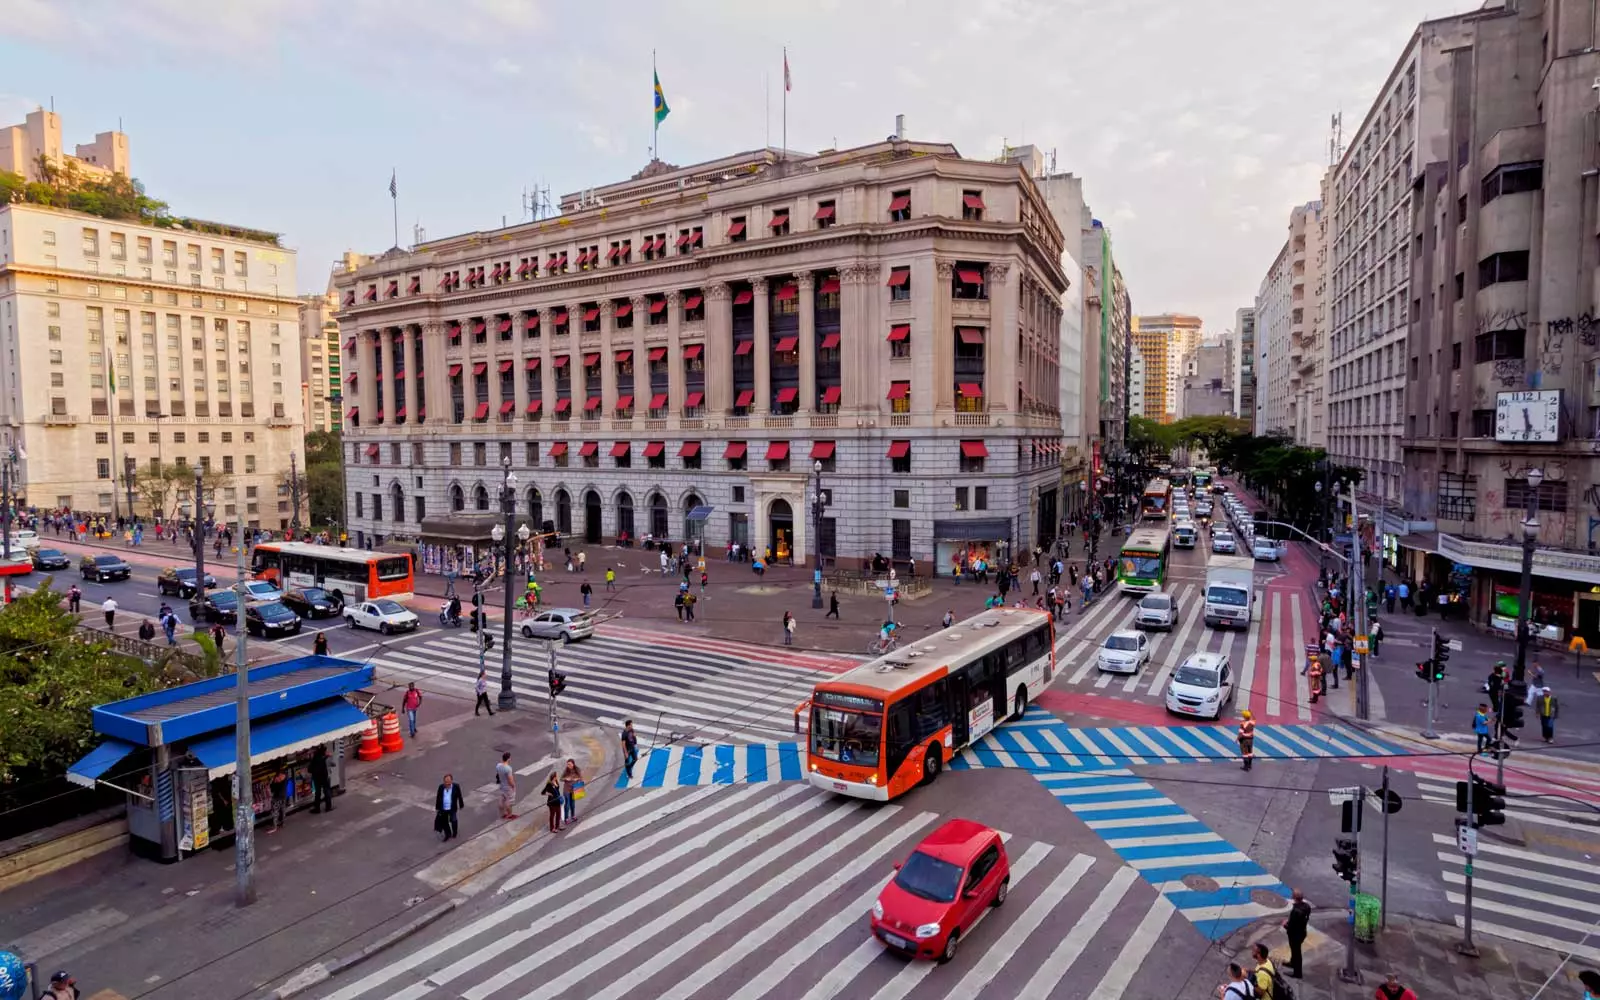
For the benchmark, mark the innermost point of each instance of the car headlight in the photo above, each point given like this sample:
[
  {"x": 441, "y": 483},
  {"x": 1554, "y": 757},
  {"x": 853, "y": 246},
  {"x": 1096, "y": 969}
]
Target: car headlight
[
  {"x": 1211, "y": 698},
  {"x": 927, "y": 930},
  {"x": 877, "y": 909}
]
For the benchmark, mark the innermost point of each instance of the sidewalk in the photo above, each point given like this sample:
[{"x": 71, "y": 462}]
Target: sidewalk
[{"x": 327, "y": 885}]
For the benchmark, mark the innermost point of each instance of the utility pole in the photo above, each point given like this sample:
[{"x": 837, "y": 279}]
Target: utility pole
[
  {"x": 1351, "y": 974},
  {"x": 294, "y": 495},
  {"x": 1468, "y": 837},
  {"x": 1358, "y": 602},
  {"x": 127, "y": 478},
  {"x": 558, "y": 684},
  {"x": 244, "y": 807},
  {"x": 198, "y": 609}
]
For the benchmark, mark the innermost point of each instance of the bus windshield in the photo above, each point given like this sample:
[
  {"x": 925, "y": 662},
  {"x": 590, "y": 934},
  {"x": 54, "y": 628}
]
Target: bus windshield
[
  {"x": 846, "y": 737},
  {"x": 1141, "y": 566}
]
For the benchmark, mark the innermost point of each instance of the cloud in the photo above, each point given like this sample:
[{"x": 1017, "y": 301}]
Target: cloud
[
  {"x": 505, "y": 67},
  {"x": 1245, "y": 166},
  {"x": 1159, "y": 158}
]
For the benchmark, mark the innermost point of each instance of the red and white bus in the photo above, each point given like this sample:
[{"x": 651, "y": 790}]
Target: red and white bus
[
  {"x": 351, "y": 574},
  {"x": 888, "y": 725}
]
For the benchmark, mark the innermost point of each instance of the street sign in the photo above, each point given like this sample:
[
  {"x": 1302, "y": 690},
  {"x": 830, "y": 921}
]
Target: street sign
[
  {"x": 1391, "y": 805},
  {"x": 1361, "y": 644},
  {"x": 1338, "y": 795},
  {"x": 1455, "y": 646},
  {"x": 1467, "y": 840}
]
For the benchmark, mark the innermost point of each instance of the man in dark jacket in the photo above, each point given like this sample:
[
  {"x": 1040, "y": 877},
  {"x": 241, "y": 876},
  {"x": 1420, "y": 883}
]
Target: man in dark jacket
[
  {"x": 447, "y": 808},
  {"x": 1296, "y": 926},
  {"x": 322, "y": 793}
]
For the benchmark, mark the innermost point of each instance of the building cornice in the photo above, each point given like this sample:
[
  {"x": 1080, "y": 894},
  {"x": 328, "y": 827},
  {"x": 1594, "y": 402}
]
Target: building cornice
[{"x": 101, "y": 278}]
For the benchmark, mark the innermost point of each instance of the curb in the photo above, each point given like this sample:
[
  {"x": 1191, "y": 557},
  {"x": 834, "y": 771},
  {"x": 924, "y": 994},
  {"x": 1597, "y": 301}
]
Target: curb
[{"x": 321, "y": 972}]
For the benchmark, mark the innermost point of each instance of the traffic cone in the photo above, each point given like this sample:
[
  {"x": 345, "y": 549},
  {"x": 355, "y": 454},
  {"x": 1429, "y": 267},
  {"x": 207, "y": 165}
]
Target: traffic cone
[
  {"x": 369, "y": 748},
  {"x": 391, "y": 742}
]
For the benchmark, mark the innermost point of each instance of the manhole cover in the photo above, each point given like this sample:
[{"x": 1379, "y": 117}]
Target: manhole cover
[
  {"x": 1200, "y": 883},
  {"x": 1267, "y": 899}
]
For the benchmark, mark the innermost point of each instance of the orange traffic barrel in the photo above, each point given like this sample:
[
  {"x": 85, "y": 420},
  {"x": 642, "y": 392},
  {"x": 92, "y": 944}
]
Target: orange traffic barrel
[
  {"x": 391, "y": 741},
  {"x": 369, "y": 749}
]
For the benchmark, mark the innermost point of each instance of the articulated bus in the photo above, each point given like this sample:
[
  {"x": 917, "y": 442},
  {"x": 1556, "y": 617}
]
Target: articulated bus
[
  {"x": 352, "y": 575},
  {"x": 1156, "y": 503},
  {"x": 1142, "y": 565},
  {"x": 893, "y": 723}
]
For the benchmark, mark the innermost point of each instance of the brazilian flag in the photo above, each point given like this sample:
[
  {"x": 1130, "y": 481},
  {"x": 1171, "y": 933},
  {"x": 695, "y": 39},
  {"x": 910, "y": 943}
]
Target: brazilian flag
[{"x": 662, "y": 111}]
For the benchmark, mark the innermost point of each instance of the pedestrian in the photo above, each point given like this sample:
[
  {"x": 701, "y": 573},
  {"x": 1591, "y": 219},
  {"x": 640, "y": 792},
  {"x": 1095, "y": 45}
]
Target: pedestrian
[
  {"x": 583, "y": 562},
  {"x": 1314, "y": 674},
  {"x": 586, "y": 591},
  {"x": 110, "y": 609},
  {"x": 1536, "y": 676},
  {"x": 571, "y": 790},
  {"x": 552, "y": 801},
  {"x": 833, "y": 606},
  {"x": 147, "y": 630},
  {"x": 677, "y": 603},
  {"x": 630, "y": 747},
  {"x": 1297, "y": 926},
  {"x": 481, "y": 686},
  {"x": 319, "y": 645},
  {"x": 321, "y": 787},
  {"x": 788, "y": 629},
  {"x": 279, "y": 787},
  {"x": 1545, "y": 703},
  {"x": 1034, "y": 578},
  {"x": 705, "y": 580},
  {"x": 447, "y": 809},
  {"x": 1375, "y": 636},
  {"x": 74, "y": 598},
  {"x": 505, "y": 780},
  {"x": 218, "y": 635},
  {"x": 1405, "y": 596},
  {"x": 611, "y": 578},
  {"x": 1247, "y": 740},
  {"x": 1237, "y": 987},
  {"x": 1588, "y": 977},
  {"x": 409, "y": 704},
  {"x": 1393, "y": 990},
  {"x": 1389, "y": 595},
  {"x": 1480, "y": 726},
  {"x": 688, "y": 607}
]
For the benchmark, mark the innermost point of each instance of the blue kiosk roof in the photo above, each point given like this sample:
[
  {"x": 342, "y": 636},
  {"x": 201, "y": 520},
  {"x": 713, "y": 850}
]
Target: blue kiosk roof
[{"x": 281, "y": 735}]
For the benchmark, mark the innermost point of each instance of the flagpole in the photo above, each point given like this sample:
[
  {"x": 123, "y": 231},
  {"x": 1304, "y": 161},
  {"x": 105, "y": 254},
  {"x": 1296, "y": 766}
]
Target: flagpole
[
  {"x": 394, "y": 196},
  {"x": 786, "y": 102},
  {"x": 766, "y": 103},
  {"x": 655, "y": 119}
]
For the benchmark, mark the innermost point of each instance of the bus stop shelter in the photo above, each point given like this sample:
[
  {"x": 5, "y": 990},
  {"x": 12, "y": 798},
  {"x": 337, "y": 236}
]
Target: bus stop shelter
[{"x": 172, "y": 752}]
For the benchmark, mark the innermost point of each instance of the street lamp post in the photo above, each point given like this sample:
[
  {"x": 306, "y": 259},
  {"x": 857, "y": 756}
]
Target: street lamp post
[
  {"x": 294, "y": 495},
  {"x": 127, "y": 478},
  {"x": 198, "y": 608},
  {"x": 1518, "y": 685},
  {"x": 818, "y": 504},
  {"x": 503, "y": 534}
]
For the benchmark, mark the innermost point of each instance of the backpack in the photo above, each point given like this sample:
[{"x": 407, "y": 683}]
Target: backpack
[
  {"x": 1280, "y": 986},
  {"x": 1239, "y": 991}
]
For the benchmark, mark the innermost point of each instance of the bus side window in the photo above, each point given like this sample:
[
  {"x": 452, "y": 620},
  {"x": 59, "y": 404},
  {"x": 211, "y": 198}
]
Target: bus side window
[
  {"x": 900, "y": 741},
  {"x": 932, "y": 709}
]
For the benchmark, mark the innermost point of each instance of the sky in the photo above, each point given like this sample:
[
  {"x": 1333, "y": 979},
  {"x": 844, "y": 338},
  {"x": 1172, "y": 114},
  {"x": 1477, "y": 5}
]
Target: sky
[{"x": 1196, "y": 124}]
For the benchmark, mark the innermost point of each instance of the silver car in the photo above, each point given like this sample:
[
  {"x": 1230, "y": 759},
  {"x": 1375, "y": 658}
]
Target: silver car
[
  {"x": 566, "y": 624},
  {"x": 1223, "y": 542},
  {"x": 1156, "y": 610}
]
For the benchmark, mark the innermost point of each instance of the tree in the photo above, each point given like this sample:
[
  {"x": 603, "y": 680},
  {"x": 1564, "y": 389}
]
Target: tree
[
  {"x": 324, "y": 485},
  {"x": 322, "y": 446},
  {"x": 157, "y": 486},
  {"x": 1150, "y": 441},
  {"x": 213, "y": 480}
]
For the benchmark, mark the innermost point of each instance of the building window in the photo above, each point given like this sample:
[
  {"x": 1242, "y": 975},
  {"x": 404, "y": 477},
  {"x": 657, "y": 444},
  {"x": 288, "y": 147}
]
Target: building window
[
  {"x": 902, "y": 499},
  {"x": 900, "y": 284},
  {"x": 900, "y": 397},
  {"x": 900, "y": 341},
  {"x": 967, "y": 282},
  {"x": 972, "y": 206},
  {"x": 1513, "y": 178},
  {"x": 102, "y": 468},
  {"x": 480, "y": 454},
  {"x": 737, "y": 230},
  {"x": 825, "y": 216},
  {"x": 1552, "y": 496},
  {"x": 1461, "y": 286},
  {"x": 900, "y": 206},
  {"x": 961, "y": 498},
  {"x": 973, "y": 454},
  {"x": 1511, "y": 265},
  {"x": 691, "y": 458},
  {"x": 980, "y": 498},
  {"x": 1496, "y": 345},
  {"x": 780, "y": 222},
  {"x": 1455, "y": 357}
]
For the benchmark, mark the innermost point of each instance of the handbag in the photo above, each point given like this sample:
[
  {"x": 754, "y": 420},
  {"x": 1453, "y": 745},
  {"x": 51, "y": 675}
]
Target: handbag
[{"x": 577, "y": 791}]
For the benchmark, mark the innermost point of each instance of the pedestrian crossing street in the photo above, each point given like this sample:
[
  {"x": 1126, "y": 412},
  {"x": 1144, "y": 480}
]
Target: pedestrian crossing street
[
  {"x": 1266, "y": 659},
  {"x": 1525, "y": 896},
  {"x": 674, "y": 687},
  {"x": 745, "y": 892}
]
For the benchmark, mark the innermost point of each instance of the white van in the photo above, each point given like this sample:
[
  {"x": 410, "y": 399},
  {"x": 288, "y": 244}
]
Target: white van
[
  {"x": 1202, "y": 686},
  {"x": 1184, "y": 536}
]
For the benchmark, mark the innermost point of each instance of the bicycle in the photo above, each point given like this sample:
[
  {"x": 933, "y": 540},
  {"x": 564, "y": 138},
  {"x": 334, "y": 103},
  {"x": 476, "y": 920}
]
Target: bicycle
[{"x": 880, "y": 646}]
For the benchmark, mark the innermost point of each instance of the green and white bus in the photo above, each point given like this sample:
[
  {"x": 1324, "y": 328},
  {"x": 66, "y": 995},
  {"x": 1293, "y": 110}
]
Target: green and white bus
[{"x": 1142, "y": 564}]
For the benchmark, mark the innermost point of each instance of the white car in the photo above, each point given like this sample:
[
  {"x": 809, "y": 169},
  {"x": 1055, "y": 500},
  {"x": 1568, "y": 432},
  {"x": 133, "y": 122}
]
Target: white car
[
  {"x": 1222, "y": 541},
  {"x": 1156, "y": 610},
  {"x": 260, "y": 591},
  {"x": 23, "y": 538},
  {"x": 1202, "y": 686},
  {"x": 384, "y": 615},
  {"x": 1124, "y": 652},
  {"x": 1264, "y": 550}
]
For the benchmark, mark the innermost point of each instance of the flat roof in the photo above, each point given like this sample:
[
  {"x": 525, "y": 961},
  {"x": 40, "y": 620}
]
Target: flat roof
[{"x": 963, "y": 640}]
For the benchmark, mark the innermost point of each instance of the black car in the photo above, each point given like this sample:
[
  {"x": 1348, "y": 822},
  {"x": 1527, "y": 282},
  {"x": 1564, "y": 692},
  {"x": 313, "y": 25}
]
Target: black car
[
  {"x": 221, "y": 606},
  {"x": 312, "y": 602},
  {"x": 270, "y": 619},
  {"x": 179, "y": 581},
  {"x": 50, "y": 559},
  {"x": 101, "y": 568}
]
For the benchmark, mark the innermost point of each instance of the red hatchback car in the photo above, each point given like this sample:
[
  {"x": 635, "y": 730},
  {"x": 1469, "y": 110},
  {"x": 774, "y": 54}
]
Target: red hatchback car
[{"x": 941, "y": 890}]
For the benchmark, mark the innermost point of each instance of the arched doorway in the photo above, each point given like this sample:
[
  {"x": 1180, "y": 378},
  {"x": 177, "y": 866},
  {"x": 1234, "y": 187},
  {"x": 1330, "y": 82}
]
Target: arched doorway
[
  {"x": 563, "y": 513},
  {"x": 535, "y": 509},
  {"x": 397, "y": 503},
  {"x": 780, "y": 530},
  {"x": 658, "y": 516},
  {"x": 693, "y": 531},
  {"x": 591, "y": 517},
  {"x": 625, "y": 515},
  {"x": 480, "y": 497},
  {"x": 458, "y": 500}
]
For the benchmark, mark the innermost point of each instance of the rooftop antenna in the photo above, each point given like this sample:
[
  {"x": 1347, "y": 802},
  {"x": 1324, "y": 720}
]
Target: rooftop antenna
[{"x": 418, "y": 235}]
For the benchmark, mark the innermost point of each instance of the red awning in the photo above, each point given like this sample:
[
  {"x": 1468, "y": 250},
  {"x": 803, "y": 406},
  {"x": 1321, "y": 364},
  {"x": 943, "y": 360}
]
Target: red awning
[
  {"x": 899, "y": 276},
  {"x": 970, "y": 389},
  {"x": 532, "y": 364},
  {"x": 743, "y": 297},
  {"x": 588, "y": 448},
  {"x": 350, "y": 414},
  {"x": 829, "y": 286},
  {"x": 745, "y": 397},
  {"x": 455, "y": 370},
  {"x": 683, "y": 239},
  {"x": 692, "y": 302},
  {"x": 658, "y": 401},
  {"x": 899, "y": 449},
  {"x": 592, "y": 358},
  {"x": 824, "y": 212},
  {"x": 658, "y": 353},
  {"x": 830, "y": 341},
  {"x": 779, "y": 218},
  {"x": 505, "y": 365},
  {"x": 526, "y": 267},
  {"x": 477, "y": 326},
  {"x": 414, "y": 287},
  {"x": 481, "y": 412},
  {"x": 900, "y": 204},
  {"x": 661, "y": 242},
  {"x": 455, "y": 331},
  {"x": 786, "y": 344},
  {"x": 400, "y": 414},
  {"x": 689, "y": 450},
  {"x": 694, "y": 399},
  {"x": 777, "y": 451},
  {"x": 899, "y": 332},
  {"x": 394, "y": 287},
  {"x": 831, "y": 394},
  {"x": 372, "y": 451},
  {"x": 535, "y": 405},
  {"x": 735, "y": 229},
  {"x": 972, "y": 200},
  {"x": 380, "y": 416},
  {"x": 736, "y": 449},
  {"x": 505, "y": 325},
  {"x": 592, "y": 403},
  {"x": 532, "y": 322},
  {"x": 560, "y": 317},
  {"x": 351, "y": 377},
  {"x": 613, "y": 253},
  {"x": 625, "y": 401},
  {"x": 624, "y": 309},
  {"x": 619, "y": 449},
  {"x": 400, "y": 375},
  {"x": 658, "y": 306},
  {"x": 551, "y": 264},
  {"x": 623, "y": 356},
  {"x": 693, "y": 351},
  {"x": 508, "y": 405},
  {"x": 350, "y": 344},
  {"x": 969, "y": 334},
  {"x": 822, "y": 449},
  {"x": 743, "y": 347},
  {"x": 591, "y": 314},
  {"x": 558, "y": 449},
  {"x": 583, "y": 257},
  {"x": 563, "y": 405},
  {"x": 786, "y": 293},
  {"x": 562, "y": 260},
  {"x": 970, "y": 277},
  {"x": 788, "y": 395},
  {"x": 560, "y": 360},
  {"x": 480, "y": 367},
  {"x": 899, "y": 390},
  {"x": 974, "y": 449},
  {"x": 654, "y": 448}
]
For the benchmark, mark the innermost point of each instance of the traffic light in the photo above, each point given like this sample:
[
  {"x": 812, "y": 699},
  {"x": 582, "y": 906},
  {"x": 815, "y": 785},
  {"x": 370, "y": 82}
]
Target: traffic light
[
  {"x": 1488, "y": 802},
  {"x": 558, "y": 683},
  {"x": 1441, "y": 655},
  {"x": 1511, "y": 714},
  {"x": 1461, "y": 796},
  {"x": 1425, "y": 670},
  {"x": 1346, "y": 862}
]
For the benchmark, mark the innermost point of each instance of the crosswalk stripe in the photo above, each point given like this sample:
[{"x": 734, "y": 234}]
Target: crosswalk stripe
[
  {"x": 999, "y": 952},
  {"x": 1495, "y": 868},
  {"x": 1489, "y": 885},
  {"x": 1576, "y": 950},
  {"x": 1136, "y": 950},
  {"x": 1506, "y": 909},
  {"x": 1517, "y": 854},
  {"x": 1067, "y": 951}
]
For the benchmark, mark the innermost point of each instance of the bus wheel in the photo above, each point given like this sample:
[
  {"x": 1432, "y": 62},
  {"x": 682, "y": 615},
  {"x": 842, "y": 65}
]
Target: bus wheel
[
  {"x": 1022, "y": 703},
  {"x": 931, "y": 763}
]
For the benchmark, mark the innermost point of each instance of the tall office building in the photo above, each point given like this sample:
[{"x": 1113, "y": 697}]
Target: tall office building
[
  {"x": 1244, "y": 363},
  {"x": 1164, "y": 340},
  {"x": 320, "y": 361},
  {"x": 1289, "y": 333}
]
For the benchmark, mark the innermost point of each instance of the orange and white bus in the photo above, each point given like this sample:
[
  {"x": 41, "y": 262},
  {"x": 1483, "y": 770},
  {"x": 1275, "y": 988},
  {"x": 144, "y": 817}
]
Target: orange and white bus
[
  {"x": 888, "y": 725},
  {"x": 350, "y": 574}
]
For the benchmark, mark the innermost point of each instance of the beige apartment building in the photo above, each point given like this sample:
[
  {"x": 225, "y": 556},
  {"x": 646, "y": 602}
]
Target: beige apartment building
[
  {"x": 1164, "y": 340},
  {"x": 320, "y": 362},
  {"x": 128, "y": 343},
  {"x": 39, "y": 135},
  {"x": 1290, "y": 337},
  {"x": 675, "y": 354}
]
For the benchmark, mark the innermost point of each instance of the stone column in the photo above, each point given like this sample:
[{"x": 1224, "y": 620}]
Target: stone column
[
  {"x": 718, "y": 352},
  {"x": 366, "y": 379},
  {"x": 676, "y": 393},
  {"x": 763, "y": 348},
  {"x": 861, "y": 391},
  {"x": 415, "y": 365},
  {"x": 608, "y": 361},
  {"x": 942, "y": 351},
  {"x": 808, "y": 344},
  {"x": 999, "y": 353},
  {"x": 641, "y": 355},
  {"x": 437, "y": 370}
]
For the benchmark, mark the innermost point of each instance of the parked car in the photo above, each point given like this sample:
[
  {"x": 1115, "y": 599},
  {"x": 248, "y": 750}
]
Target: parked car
[
  {"x": 1156, "y": 610},
  {"x": 1123, "y": 652},
  {"x": 50, "y": 559},
  {"x": 566, "y": 624},
  {"x": 220, "y": 606},
  {"x": 179, "y": 581},
  {"x": 261, "y": 590},
  {"x": 1222, "y": 541},
  {"x": 312, "y": 602},
  {"x": 1201, "y": 686},
  {"x": 1264, "y": 550},
  {"x": 940, "y": 892},
  {"x": 384, "y": 615},
  {"x": 270, "y": 618},
  {"x": 102, "y": 568},
  {"x": 24, "y": 538}
]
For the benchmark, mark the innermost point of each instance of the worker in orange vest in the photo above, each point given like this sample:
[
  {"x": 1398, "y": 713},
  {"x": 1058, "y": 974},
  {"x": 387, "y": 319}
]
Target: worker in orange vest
[{"x": 1247, "y": 740}]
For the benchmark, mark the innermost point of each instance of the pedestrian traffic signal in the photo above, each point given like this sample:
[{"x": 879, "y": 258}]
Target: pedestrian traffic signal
[
  {"x": 1511, "y": 714},
  {"x": 1425, "y": 670},
  {"x": 1346, "y": 862},
  {"x": 558, "y": 683},
  {"x": 1461, "y": 796},
  {"x": 1488, "y": 802},
  {"x": 1441, "y": 655}
]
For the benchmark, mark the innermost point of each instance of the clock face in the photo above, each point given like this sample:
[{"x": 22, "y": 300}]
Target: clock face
[{"x": 1528, "y": 416}]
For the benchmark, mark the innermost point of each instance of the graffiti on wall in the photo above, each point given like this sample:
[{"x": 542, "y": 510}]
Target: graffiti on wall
[
  {"x": 1551, "y": 349},
  {"x": 1508, "y": 372},
  {"x": 1502, "y": 319},
  {"x": 1584, "y": 327}
]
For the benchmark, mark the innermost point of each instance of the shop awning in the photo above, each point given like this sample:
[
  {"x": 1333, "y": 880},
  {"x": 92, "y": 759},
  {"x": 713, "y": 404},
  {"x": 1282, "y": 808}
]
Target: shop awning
[
  {"x": 624, "y": 356},
  {"x": 591, "y": 314},
  {"x": 779, "y": 218},
  {"x": 786, "y": 293},
  {"x": 532, "y": 322},
  {"x": 534, "y": 405},
  {"x": 625, "y": 401},
  {"x": 481, "y": 412},
  {"x": 508, "y": 405},
  {"x": 830, "y": 342},
  {"x": 589, "y": 448},
  {"x": 281, "y": 735},
  {"x": 899, "y": 276},
  {"x": 735, "y": 229},
  {"x": 971, "y": 390},
  {"x": 592, "y": 403},
  {"x": 624, "y": 309},
  {"x": 560, "y": 317},
  {"x": 831, "y": 394},
  {"x": 777, "y": 451},
  {"x": 822, "y": 449},
  {"x": 743, "y": 347},
  {"x": 970, "y": 277},
  {"x": 532, "y": 364},
  {"x": 505, "y": 365},
  {"x": 824, "y": 212},
  {"x": 899, "y": 449},
  {"x": 591, "y": 359},
  {"x": 829, "y": 286},
  {"x": 98, "y": 761},
  {"x": 899, "y": 332},
  {"x": 480, "y": 367},
  {"x": 558, "y": 449},
  {"x": 736, "y": 449},
  {"x": 788, "y": 394},
  {"x": 745, "y": 397},
  {"x": 560, "y": 360},
  {"x": 563, "y": 405},
  {"x": 693, "y": 351},
  {"x": 974, "y": 449},
  {"x": 689, "y": 450},
  {"x": 455, "y": 370},
  {"x": 972, "y": 200},
  {"x": 692, "y": 302},
  {"x": 505, "y": 325},
  {"x": 694, "y": 399},
  {"x": 899, "y": 390},
  {"x": 744, "y": 297},
  {"x": 658, "y": 401},
  {"x": 658, "y": 306},
  {"x": 900, "y": 203}
]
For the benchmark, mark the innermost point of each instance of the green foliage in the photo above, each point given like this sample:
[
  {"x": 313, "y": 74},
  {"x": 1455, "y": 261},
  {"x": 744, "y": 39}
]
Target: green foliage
[{"x": 324, "y": 480}]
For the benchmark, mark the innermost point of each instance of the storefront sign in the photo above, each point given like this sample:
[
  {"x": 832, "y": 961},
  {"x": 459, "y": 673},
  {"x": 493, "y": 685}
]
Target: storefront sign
[
  {"x": 1508, "y": 625},
  {"x": 1508, "y": 558}
]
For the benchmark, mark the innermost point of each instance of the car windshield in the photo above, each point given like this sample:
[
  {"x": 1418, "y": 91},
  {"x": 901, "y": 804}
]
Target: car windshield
[
  {"x": 1156, "y": 602},
  {"x": 183, "y": 574},
  {"x": 1195, "y": 677},
  {"x": 1230, "y": 596},
  {"x": 107, "y": 561},
  {"x": 314, "y": 594},
  {"x": 275, "y": 612},
  {"x": 926, "y": 876},
  {"x": 1127, "y": 642},
  {"x": 224, "y": 598},
  {"x": 847, "y": 737},
  {"x": 50, "y": 553},
  {"x": 388, "y": 607}
]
